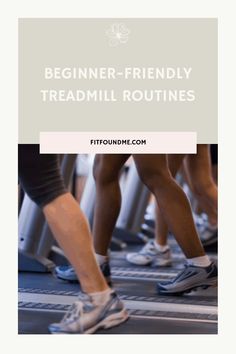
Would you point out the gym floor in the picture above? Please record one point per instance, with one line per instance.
(44, 299)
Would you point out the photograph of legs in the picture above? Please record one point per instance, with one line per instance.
(117, 243)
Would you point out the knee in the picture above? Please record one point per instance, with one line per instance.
(103, 173)
(155, 178)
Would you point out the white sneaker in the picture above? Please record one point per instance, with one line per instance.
(149, 254)
(86, 317)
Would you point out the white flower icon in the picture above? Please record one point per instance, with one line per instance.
(118, 33)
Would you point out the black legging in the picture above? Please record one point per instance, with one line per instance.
(39, 174)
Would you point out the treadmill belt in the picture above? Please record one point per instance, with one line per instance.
(43, 299)
(29, 325)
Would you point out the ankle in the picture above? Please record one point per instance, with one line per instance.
(202, 261)
(101, 258)
(161, 248)
(101, 297)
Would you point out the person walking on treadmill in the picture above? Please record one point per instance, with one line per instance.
(175, 208)
(97, 306)
(197, 168)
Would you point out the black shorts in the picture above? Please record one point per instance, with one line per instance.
(40, 174)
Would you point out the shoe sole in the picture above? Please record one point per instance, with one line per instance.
(109, 322)
(140, 264)
(66, 279)
(153, 262)
(113, 320)
(164, 264)
(204, 286)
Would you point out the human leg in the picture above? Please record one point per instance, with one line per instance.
(176, 211)
(161, 230)
(107, 168)
(157, 251)
(199, 172)
(41, 179)
(199, 271)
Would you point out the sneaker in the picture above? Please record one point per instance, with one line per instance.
(150, 255)
(84, 317)
(192, 277)
(67, 273)
(209, 235)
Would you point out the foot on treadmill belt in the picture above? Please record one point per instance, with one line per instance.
(86, 317)
(67, 273)
(191, 278)
(149, 254)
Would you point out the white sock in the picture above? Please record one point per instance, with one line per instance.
(161, 248)
(101, 297)
(101, 259)
(202, 261)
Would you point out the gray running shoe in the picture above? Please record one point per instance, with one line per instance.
(190, 278)
(84, 317)
(67, 273)
(150, 255)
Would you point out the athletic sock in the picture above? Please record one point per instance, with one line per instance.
(101, 259)
(202, 261)
(101, 297)
(160, 248)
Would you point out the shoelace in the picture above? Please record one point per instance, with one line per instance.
(149, 247)
(186, 265)
(75, 312)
